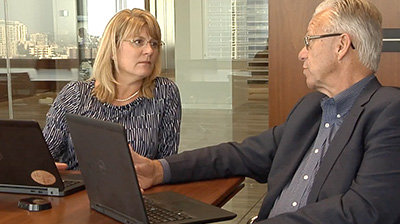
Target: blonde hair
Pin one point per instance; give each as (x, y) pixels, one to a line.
(362, 21)
(123, 25)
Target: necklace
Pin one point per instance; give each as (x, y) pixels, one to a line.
(126, 99)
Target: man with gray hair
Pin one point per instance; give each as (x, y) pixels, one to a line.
(336, 159)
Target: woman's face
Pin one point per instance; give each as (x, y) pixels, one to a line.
(137, 56)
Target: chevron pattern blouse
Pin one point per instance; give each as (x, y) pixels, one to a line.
(152, 125)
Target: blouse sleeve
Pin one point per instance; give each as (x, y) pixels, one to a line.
(170, 123)
(55, 131)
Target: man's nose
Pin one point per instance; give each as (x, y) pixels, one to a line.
(303, 54)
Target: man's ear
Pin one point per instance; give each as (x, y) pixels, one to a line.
(344, 45)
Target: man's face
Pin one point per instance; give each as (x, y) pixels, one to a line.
(319, 58)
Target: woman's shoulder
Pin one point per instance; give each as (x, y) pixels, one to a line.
(165, 83)
(163, 80)
(165, 87)
(81, 86)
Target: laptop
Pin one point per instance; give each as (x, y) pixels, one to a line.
(26, 164)
(111, 182)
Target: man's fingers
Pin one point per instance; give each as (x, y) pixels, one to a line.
(135, 156)
(61, 166)
(145, 170)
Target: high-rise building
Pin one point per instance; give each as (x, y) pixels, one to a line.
(17, 34)
(39, 39)
(42, 51)
(236, 29)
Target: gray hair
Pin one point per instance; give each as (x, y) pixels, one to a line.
(362, 21)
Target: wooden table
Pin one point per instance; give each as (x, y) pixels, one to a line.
(75, 209)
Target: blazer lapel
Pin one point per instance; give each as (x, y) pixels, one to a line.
(341, 138)
(294, 145)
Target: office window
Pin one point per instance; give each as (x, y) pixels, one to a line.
(42, 47)
(242, 24)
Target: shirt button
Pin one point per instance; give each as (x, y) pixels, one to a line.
(327, 125)
(305, 177)
(316, 151)
(338, 116)
(294, 204)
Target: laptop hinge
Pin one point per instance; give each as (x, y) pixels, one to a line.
(53, 191)
(115, 214)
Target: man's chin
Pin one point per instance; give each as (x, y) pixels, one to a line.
(310, 85)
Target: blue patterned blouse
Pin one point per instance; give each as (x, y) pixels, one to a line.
(152, 125)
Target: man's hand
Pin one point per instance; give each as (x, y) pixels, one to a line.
(61, 166)
(149, 172)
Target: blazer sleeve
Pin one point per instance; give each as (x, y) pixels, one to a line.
(251, 158)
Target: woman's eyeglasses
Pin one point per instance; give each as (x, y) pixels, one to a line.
(141, 42)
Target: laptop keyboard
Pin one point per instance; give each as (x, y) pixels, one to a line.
(68, 183)
(158, 214)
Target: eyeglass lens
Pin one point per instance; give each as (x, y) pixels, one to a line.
(141, 42)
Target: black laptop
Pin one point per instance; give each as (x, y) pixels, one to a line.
(111, 182)
(26, 164)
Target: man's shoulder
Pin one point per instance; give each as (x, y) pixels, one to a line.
(388, 93)
(390, 89)
(380, 99)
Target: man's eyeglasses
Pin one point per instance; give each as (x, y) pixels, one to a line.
(307, 39)
(141, 42)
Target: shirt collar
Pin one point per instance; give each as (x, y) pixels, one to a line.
(345, 100)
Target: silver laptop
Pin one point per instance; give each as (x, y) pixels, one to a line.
(26, 164)
(111, 183)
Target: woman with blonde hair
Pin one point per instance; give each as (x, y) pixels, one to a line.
(125, 88)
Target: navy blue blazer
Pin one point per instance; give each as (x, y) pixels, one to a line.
(359, 177)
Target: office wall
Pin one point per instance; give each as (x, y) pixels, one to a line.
(288, 23)
(389, 67)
